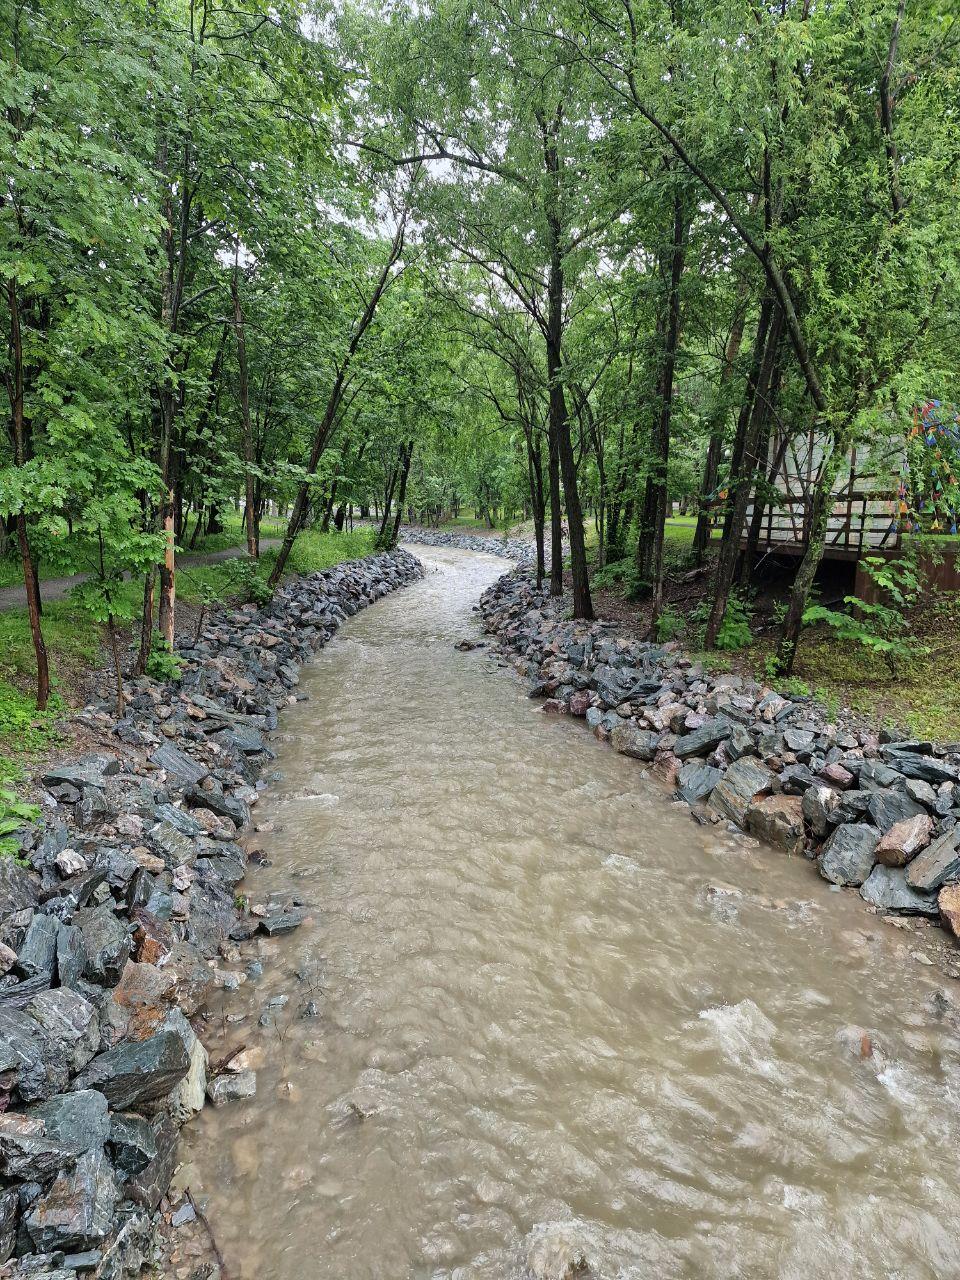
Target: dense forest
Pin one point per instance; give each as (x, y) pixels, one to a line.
(571, 262)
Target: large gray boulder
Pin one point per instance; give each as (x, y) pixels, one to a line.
(106, 945)
(138, 1071)
(887, 888)
(850, 854)
(890, 807)
(77, 1212)
(78, 1120)
(36, 1061)
(700, 742)
(696, 780)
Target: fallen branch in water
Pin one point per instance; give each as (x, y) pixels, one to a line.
(205, 1223)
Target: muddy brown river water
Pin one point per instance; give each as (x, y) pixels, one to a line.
(554, 1014)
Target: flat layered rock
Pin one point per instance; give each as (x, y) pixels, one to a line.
(936, 865)
(850, 854)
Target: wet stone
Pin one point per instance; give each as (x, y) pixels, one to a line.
(27, 1152)
(232, 1087)
(9, 1202)
(819, 805)
(279, 922)
(937, 864)
(904, 840)
(778, 820)
(37, 1061)
(133, 1143)
(183, 769)
(106, 944)
(695, 781)
(77, 1211)
(703, 740)
(887, 888)
(38, 954)
(888, 808)
(850, 854)
(133, 1072)
(77, 1120)
(743, 782)
(67, 1017)
(640, 744)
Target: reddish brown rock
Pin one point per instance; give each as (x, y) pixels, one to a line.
(904, 840)
(580, 702)
(837, 776)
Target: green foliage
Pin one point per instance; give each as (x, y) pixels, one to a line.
(14, 816)
(669, 624)
(247, 581)
(623, 575)
(735, 630)
(314, 551)
(162, 664)
(880, 627)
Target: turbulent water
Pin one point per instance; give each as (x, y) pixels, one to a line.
(554, 1016)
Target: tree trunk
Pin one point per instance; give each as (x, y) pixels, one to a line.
(742, 478)
(711, 472)
(19, 442)
(249, 445)
(301, 501)
(406, 458)
(819, 520)
(657, 484)
(557, 407)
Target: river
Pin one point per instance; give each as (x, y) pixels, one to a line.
(544, 995)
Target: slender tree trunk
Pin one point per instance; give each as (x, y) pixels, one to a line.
(535, 480)
(765, 472)
(249, 444)
(405, 460)
(816, 543)
(557, 407)
(711, 472)
(146, 623)
(18, 440)
(657, 486)
(302, 499)
(742, 480)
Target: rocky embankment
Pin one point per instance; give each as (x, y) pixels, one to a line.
(518, 549)
(879, 816)
(121, 918)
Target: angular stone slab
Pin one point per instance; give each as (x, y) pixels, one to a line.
(779, 821)
(68, 1017)
(137, 1071)
(77, 1212)
(904, 840)
(696, 780)
(887, 888)
(744, 781)
(705, 739)
(850, 854)
(936, 865)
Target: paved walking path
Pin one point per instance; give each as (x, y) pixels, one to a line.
(57, 588)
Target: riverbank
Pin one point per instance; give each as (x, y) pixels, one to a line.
(121, 916)
(875, 815)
